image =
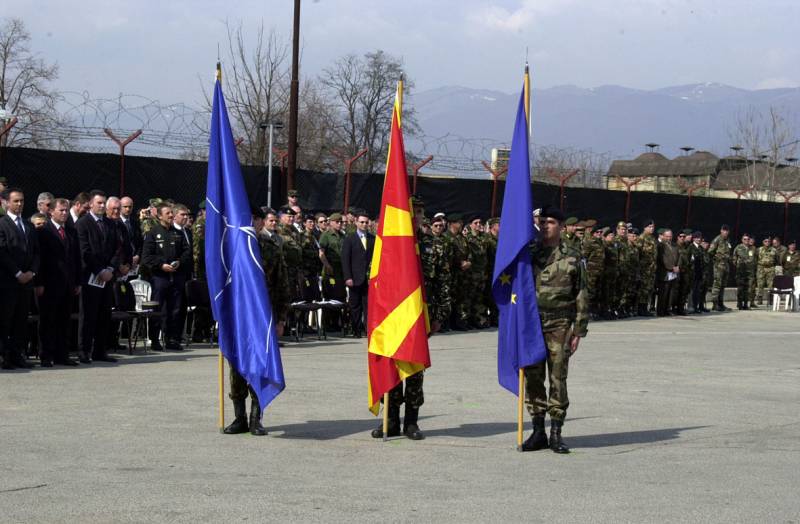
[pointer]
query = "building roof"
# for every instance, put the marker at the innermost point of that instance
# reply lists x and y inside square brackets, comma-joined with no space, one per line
[786,178]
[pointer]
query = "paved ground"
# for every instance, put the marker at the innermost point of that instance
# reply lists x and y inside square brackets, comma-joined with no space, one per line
[672,420]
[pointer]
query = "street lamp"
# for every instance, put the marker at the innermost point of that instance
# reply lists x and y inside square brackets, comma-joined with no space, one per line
[271,126]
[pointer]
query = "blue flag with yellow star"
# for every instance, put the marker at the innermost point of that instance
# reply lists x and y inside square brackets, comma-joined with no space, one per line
[519,336]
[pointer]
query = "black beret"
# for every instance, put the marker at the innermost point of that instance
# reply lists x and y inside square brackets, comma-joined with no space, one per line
[724,227]
[552,212]
[286,210]
[648,222]
[257,212]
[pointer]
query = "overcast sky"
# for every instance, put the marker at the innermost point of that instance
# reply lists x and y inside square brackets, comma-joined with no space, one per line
[161,49]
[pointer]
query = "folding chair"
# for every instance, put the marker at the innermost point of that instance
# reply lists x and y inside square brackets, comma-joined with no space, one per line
[124,309]
[142,291]
[782,286]
[309,307]
[334,293]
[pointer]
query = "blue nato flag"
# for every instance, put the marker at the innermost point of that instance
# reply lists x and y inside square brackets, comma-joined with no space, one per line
[519,335]
[236,283]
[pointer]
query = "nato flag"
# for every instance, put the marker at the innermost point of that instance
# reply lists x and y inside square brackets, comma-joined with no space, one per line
[236,282]
[519,335]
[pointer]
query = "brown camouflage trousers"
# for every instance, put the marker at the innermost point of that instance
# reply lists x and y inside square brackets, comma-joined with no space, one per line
[537,400]
[720,279]
[413,396]
[239,387]
[764,278]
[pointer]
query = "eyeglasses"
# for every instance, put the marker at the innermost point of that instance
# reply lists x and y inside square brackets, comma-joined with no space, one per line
[322,221]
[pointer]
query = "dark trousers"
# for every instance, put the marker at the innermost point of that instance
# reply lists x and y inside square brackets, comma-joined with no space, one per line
[698,294]
[666,295]
[54,324]
[413,395]
[358,306]
[168,292]
[94,319]
[14,307]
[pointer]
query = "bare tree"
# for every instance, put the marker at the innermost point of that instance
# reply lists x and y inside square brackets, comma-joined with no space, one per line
[766,139]
[364,89]
[25,89]
[591,166]
[256,82]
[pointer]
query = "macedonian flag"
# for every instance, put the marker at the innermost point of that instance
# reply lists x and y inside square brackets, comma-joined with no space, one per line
[397,323]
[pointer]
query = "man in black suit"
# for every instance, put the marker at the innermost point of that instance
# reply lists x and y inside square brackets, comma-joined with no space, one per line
[19,264]
[79,207]
[667,271]
[101,257]
[180,220]
[132,226]
[356,258]
[57,283]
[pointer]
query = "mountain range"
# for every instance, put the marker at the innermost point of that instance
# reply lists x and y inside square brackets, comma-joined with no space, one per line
[608,119]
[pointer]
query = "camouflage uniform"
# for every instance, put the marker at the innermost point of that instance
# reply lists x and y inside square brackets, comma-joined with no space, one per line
[741,264]
[278,287]
[633,277]
[293,256]
[780,251]
[312,265]
[594,254]
[791,264]
[564,311]
[199,248]
[488,298]
[610,275]
[720,252]
[621,283]
[459,298]
[147,224]
[647,269]
[752,269]
[767,260]
[435,255]
[476,279]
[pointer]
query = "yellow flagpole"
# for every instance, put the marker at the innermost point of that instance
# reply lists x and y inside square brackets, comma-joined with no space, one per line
[527,84]
[520,404]
[399,98]
[221,359]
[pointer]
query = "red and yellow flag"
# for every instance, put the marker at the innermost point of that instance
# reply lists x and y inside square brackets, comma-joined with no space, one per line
[397,323]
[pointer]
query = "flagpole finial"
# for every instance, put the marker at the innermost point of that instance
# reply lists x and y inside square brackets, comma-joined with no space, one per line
[219,71]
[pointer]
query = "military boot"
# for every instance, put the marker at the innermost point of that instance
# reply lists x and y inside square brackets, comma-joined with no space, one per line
[255,419]
[393,429]
[410,427]
[239,424]
[556,444]
[538,439]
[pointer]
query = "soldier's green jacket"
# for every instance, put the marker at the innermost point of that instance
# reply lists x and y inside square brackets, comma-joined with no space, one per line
[312,265]
[435,256]
[720,251]
[275,274]
[743,257]
[331,243]
[478,249]
[647,251]
[768,257]
[561,288]
[292,251]
[791,263]
[780,251]
[594,253]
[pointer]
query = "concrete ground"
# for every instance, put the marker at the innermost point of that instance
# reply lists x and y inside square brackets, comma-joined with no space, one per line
[672,420]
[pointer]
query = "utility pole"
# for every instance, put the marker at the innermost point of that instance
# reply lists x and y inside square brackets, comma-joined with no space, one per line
[630,184]
[348,165]
[293,97]
[562,182]
[690,189]
[415,169]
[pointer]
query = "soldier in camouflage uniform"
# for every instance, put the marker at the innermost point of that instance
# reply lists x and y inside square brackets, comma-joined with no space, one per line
[202,323]
[780,249]
[564,311]
[594,254]
[791,261]
[752,269]
[460,266]
[647,268]
[741,264]
[278,287]
[767,260]
[708,271]
[478,275]
[623,270]
[610,274]
[312,263]
[292,251]
[633,275]
[686,273]
[720,252]
[568,236]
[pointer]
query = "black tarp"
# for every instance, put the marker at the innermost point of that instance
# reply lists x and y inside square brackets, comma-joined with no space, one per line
[67,173]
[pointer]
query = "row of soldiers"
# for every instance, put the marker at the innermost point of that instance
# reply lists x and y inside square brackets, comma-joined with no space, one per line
[629,270]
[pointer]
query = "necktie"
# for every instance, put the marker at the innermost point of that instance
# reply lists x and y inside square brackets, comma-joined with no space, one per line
[20,226]
[102,227]
[364,241]
[61,233]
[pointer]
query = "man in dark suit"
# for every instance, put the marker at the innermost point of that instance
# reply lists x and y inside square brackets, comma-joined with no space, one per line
[57,283]
[99,241]
[19,264]
[78,208]
[356,258]
[667,271]
[132,226]
[125,250]
[180,220]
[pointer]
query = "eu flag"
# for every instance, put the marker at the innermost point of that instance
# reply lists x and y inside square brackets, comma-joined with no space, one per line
[236,282]
[519,335]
